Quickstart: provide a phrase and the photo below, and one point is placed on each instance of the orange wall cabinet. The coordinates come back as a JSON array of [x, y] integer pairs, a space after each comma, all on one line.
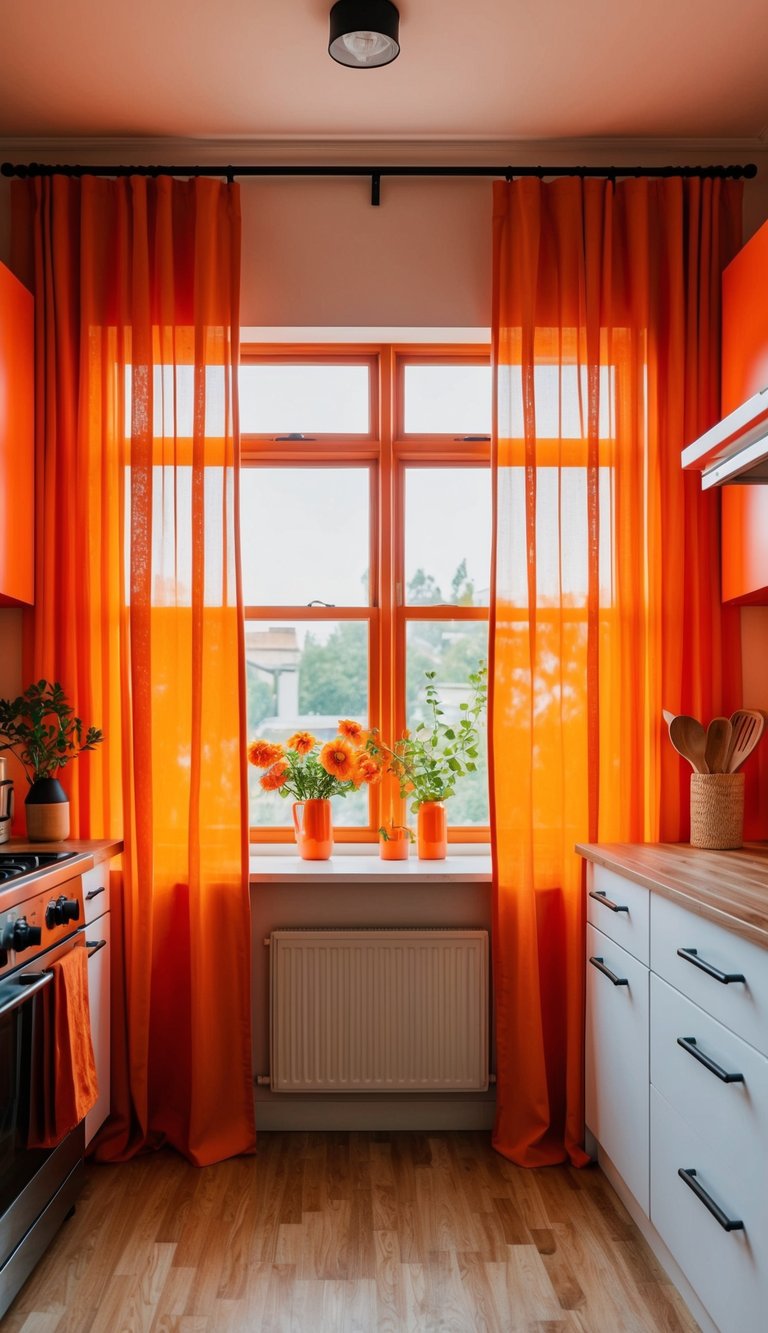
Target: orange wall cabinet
[[745, 372], [16, 442]]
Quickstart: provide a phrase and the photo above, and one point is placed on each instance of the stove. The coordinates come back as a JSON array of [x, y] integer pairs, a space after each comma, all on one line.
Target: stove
[[41, 903], [15, 864], [41, 921]]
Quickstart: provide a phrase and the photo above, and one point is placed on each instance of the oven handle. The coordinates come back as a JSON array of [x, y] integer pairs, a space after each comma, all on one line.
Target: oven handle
[[29, 986]]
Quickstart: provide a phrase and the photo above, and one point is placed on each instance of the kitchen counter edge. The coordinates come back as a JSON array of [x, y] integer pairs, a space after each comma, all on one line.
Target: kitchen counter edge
[[727, 887], [98, 849]]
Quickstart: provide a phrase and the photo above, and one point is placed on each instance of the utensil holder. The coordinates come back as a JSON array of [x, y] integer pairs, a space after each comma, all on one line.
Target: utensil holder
[[717, 810]]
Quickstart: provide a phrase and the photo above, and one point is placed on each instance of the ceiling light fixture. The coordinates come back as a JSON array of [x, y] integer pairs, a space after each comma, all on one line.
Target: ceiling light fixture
[[364, 33]]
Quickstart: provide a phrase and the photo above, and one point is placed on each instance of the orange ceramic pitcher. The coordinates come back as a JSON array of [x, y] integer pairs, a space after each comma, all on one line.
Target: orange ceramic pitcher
[[314, 830], [432, 831]]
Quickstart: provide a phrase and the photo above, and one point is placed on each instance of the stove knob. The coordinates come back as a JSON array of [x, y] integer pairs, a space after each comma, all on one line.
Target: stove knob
[[24, 935], [64, 909]]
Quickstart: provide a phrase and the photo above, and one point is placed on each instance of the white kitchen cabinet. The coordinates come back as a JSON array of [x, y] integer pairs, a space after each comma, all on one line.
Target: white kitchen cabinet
[[616, 1086], [728, 1268], [97, 931], [716, 1082], [677, 1083], [620, 909], [726, 975]]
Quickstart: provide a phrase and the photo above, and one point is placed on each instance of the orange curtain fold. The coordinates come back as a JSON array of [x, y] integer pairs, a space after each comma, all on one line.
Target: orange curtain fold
[[605, 587], [138, 613]]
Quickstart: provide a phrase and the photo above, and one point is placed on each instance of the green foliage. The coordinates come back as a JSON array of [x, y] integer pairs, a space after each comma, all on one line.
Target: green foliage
[[387, 832], [334, 675], [423, 590], [428, 763], [41, 729], [260, 694]]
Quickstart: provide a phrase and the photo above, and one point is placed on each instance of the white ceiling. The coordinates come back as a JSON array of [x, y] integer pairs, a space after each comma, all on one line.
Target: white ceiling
[[468, 69]]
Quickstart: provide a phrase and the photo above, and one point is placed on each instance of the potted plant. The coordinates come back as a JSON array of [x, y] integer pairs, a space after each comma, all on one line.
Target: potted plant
[[312, 773], [41, 730], [429, 761], [395, 841]]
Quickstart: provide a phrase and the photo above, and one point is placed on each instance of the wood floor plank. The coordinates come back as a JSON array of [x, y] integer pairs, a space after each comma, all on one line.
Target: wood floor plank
[[349, 1233]]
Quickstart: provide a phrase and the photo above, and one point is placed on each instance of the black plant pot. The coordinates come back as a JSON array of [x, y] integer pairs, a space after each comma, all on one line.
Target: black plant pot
[[45, 791], [47, 811]]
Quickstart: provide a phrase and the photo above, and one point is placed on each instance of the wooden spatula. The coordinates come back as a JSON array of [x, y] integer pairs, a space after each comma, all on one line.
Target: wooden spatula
[[747, 725], [719, 736], [690, 740]]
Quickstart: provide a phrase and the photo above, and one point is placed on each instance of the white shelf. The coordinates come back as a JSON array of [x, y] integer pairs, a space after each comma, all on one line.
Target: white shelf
[[358, 869]]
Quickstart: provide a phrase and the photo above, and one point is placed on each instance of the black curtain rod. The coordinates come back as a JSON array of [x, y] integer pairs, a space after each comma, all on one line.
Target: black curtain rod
[[229, 172]]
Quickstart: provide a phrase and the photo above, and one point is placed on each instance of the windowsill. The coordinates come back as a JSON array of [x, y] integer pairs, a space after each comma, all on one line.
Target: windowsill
[[275, 864]]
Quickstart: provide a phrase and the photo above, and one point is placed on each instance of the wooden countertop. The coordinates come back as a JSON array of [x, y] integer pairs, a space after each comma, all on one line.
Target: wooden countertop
[[730, 888]]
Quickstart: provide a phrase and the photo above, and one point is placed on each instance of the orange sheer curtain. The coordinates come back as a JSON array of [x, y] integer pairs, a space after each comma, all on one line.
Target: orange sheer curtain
[[605, 600], [138, 614]]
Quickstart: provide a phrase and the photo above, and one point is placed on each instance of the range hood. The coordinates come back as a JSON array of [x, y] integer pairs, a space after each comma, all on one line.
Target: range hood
[[736, 449]]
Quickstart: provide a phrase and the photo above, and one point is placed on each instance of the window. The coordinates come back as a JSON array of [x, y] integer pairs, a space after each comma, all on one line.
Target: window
[[366, 521]]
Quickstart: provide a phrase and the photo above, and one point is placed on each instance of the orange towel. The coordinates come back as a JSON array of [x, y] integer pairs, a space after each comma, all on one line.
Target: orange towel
[[64, 1086]]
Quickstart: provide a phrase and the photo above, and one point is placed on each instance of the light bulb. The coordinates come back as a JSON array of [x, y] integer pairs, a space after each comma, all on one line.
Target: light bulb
[[365, 46]]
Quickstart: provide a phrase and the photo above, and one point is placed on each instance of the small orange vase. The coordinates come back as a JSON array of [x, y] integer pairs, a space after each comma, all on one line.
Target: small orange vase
[[314, 830], [432, 831], [396, 846]]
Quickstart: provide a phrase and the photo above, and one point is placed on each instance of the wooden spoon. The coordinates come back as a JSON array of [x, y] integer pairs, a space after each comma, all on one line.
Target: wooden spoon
[[747, 725], [719, 736], [690, 740]]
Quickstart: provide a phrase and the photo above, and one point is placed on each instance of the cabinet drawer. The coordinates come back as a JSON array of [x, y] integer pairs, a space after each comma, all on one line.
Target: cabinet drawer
[[616, 1091], [96, 891], [619, 908], [713, 954], [730, 1116], [728, 1269]]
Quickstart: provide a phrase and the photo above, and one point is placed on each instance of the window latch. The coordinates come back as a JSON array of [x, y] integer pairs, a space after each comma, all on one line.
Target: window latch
[[294, 435], [316, 601]]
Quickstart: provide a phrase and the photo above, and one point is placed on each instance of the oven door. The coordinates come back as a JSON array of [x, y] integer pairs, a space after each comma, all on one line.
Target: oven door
[[29, 1177]]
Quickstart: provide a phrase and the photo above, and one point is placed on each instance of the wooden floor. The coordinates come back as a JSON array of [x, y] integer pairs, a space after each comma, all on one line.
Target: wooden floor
[[328, 1233]]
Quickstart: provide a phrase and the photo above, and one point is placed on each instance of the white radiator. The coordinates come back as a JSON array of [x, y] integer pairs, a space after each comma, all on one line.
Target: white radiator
[[379, 1010]]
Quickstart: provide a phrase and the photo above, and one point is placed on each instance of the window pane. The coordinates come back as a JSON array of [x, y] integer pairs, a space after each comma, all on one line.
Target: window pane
[[305, 535], [561, 398], [562, 536], [448, 399], [452, 649], [304, 676], [283, 399], [447, 535]]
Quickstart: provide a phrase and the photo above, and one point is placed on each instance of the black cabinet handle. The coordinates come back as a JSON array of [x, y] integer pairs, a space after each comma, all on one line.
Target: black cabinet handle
[[692, 956], [94, 946], [606, 971], [727, 1223], [689, 1044], [603, 898], [94, 893]]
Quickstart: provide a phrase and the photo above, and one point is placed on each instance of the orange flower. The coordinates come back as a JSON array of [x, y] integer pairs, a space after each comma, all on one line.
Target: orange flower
[[338, 758], [302, 742], [264, 753], [366, 770], [275, 777], [352, 730]]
